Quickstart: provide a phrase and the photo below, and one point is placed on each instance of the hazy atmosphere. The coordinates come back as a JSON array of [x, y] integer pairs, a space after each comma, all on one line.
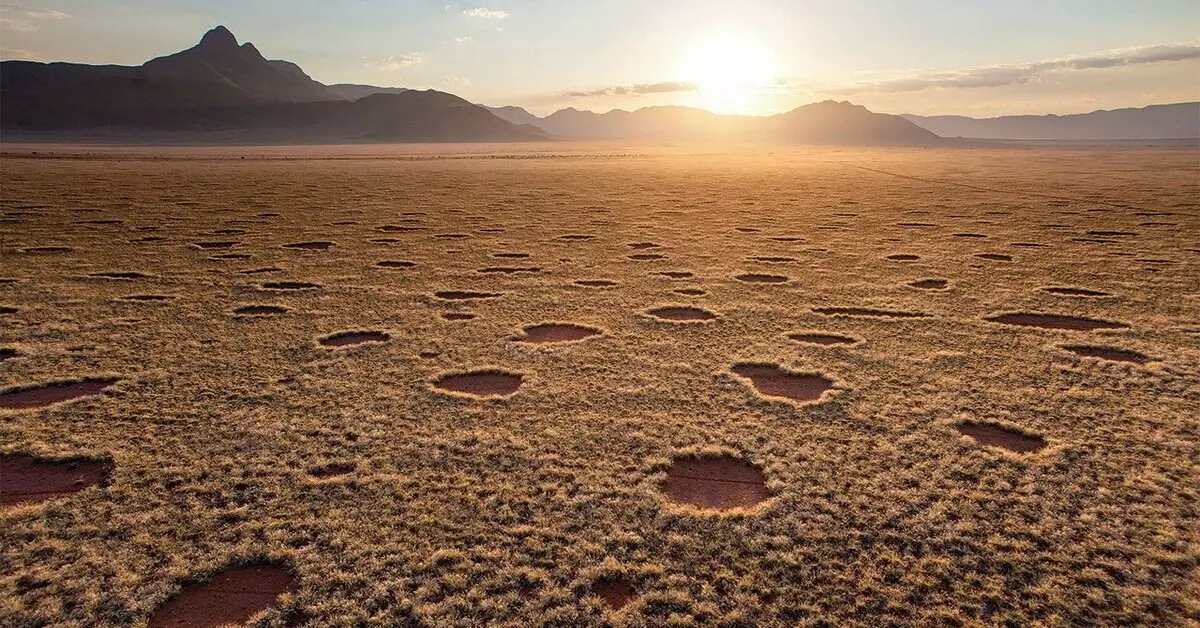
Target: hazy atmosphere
[[979, 58]]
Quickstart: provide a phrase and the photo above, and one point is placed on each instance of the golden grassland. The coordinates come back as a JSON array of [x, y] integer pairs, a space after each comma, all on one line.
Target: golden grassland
[[464, 511]]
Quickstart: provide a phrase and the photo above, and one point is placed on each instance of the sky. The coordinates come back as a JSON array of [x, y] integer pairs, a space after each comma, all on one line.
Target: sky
[[758, 57]]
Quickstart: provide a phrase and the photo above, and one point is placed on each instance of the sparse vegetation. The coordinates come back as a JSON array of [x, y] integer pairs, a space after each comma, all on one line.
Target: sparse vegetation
[[461, 473]]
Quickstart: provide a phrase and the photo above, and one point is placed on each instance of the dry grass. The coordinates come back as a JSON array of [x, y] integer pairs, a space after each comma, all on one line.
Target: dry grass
[[464, 511]]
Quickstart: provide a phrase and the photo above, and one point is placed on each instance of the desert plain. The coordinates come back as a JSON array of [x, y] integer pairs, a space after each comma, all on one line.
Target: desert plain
[[599, 384]]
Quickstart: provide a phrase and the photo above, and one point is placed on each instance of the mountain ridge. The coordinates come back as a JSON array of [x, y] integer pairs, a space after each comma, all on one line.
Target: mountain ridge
[[1158, 121]]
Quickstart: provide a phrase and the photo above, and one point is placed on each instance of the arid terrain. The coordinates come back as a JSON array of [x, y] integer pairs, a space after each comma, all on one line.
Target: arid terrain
[[573, 384]]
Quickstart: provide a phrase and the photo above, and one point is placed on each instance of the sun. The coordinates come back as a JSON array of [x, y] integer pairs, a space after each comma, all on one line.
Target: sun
[[730, 74]]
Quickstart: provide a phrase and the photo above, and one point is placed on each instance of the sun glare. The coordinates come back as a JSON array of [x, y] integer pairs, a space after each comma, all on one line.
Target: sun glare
[[729, 74]]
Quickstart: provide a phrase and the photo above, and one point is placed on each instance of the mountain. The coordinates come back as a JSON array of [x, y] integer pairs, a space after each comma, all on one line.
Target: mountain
[[515, 115], [220, 91], [352, 91], [826, 122], [1180, 120], [234, 74], [831, 122], [214, 72]]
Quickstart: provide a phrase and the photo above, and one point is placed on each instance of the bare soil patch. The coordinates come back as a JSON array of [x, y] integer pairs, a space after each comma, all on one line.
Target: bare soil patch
[[761, 278], [349, 338], [43, 395], [509, 270], [482, 383], [823, 339], [1112, 354], [260, 310], [1005, 438], [1075, 292], [233, 596], [27, 479], [716, 483], [1055, 321], [616, 593], [465, 295], [930, 284], [558, 332], [290, 285], [771, 380], [120, 275]]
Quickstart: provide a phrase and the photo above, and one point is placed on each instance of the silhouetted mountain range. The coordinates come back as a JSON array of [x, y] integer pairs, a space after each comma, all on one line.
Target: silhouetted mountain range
[[229, 92], [220, 91], [353, 91], [1176, 121], [826, 122]]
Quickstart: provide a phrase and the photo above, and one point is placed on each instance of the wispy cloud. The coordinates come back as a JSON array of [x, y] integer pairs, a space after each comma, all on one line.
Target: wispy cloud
[[396, 62], [637, 89], [1006, 75], [20, 19], [485, 14], [15, 53], [465, 39]]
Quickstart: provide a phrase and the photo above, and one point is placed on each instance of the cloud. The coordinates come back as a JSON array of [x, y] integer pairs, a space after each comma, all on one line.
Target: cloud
[[465, 39], [485, 14], [14, 53], [17, 26], [395, 62], [638, 89], [34, 13], [20, 19], [1006, 75]]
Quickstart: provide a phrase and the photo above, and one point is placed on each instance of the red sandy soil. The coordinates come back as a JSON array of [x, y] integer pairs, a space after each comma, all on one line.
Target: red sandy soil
[[997, 436], [232, 597], [25, 479], [723, 483], [1055, 321], [47, 394], [772, 381]]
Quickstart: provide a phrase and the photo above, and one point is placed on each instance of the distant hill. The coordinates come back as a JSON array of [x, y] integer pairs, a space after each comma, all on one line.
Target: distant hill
[[826, 122], [1180, 120], [219, 91], [352, 91], [513, 114]]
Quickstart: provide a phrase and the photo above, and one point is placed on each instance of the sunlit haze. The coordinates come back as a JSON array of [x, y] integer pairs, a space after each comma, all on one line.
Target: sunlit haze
[[756, 57]]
